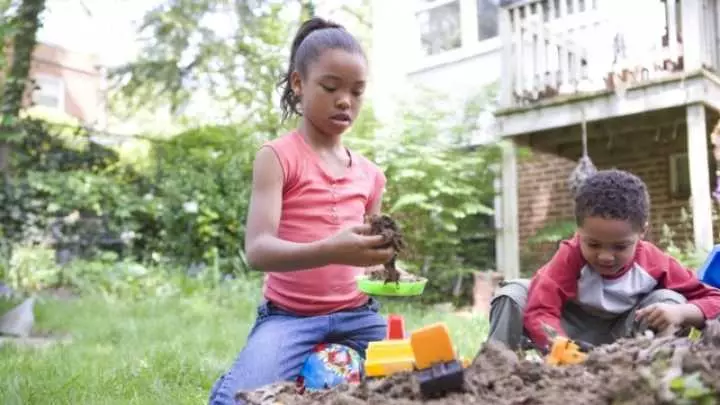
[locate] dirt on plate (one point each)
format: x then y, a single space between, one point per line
639 371
385 225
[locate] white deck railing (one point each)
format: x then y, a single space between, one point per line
569 46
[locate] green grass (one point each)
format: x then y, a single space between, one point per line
156 350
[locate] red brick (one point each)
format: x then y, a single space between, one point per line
543 195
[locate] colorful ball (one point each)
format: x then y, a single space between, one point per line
329 365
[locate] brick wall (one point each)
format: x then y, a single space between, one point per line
640 144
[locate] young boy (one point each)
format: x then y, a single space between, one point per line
606 282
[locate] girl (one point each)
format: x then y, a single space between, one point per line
305 222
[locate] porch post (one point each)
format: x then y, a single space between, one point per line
498 217
510 229
701 198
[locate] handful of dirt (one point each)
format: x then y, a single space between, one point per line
386 226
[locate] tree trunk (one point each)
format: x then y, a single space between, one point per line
27 22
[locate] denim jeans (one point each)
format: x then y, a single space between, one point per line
280 342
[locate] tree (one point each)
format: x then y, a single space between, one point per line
21 31
185 54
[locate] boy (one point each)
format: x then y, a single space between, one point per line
606 282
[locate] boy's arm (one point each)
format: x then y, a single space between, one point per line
684 281
552 286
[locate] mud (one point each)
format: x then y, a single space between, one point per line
386 226
640 371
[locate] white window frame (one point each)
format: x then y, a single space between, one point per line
470 44
60 89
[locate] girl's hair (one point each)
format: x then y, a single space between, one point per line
314 36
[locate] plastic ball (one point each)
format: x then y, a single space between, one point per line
329 365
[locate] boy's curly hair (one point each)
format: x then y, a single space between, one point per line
613 194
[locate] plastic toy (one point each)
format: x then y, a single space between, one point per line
709 272
399 289
328 366
564 352
396 327
438 370
429 353
387 357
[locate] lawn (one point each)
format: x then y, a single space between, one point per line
157 350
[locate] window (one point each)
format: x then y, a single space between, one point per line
446 25
50 92
679 176
487 15
440 29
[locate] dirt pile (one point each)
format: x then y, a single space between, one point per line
640 371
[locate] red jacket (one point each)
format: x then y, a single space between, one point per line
568 277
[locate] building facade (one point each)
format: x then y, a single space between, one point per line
67 82
647 97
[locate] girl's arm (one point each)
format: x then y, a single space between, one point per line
265 251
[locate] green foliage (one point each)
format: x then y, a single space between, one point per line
678 243
21 30
439 190
692 390
540 247
58 172
553 232
230 51
203 193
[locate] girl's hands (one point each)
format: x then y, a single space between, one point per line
355 247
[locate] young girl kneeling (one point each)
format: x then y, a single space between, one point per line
305 222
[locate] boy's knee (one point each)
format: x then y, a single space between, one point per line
663 296
514 290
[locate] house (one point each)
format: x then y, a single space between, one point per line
646 94
68 82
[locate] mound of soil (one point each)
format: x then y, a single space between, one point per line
385 225
640 371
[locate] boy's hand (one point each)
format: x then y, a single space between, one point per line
662 316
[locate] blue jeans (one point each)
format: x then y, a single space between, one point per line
280 342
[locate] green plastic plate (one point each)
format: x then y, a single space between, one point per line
401 289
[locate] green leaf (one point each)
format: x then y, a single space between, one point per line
694 334
408 200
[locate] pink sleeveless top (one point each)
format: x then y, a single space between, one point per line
316 205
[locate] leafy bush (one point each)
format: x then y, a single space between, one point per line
440 191
57 171
188 206
203 192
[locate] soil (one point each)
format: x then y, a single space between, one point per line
385 225
635 371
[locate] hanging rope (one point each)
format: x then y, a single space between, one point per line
585 167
